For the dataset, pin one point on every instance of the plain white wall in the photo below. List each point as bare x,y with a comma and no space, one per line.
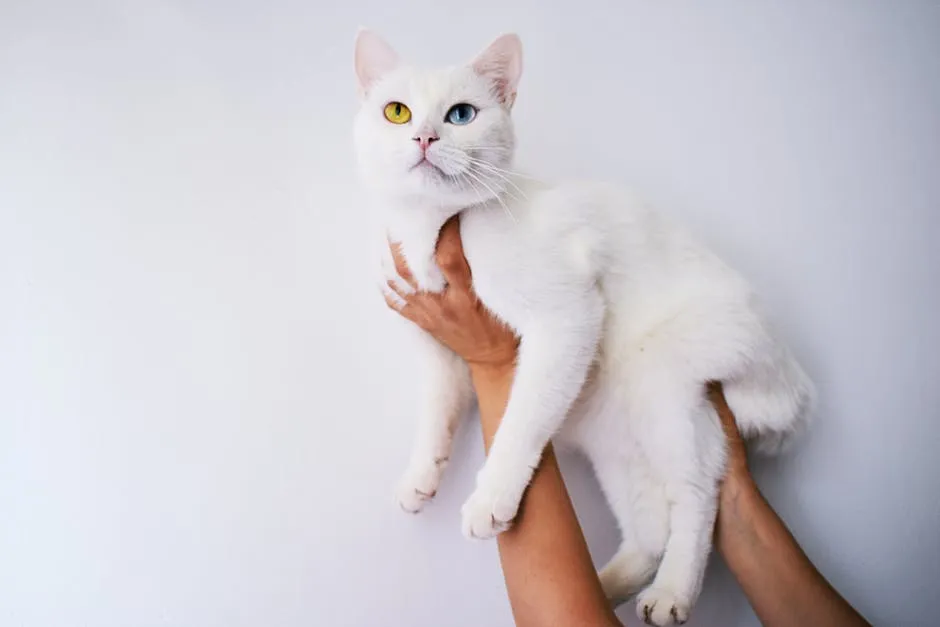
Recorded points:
204,405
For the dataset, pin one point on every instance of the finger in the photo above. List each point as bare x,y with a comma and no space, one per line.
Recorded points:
415,312
450,257
393,300
395,295
422,308
716,395
401,266
402,307
400,290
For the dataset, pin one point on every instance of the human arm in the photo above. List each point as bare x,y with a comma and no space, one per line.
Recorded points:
777,577
549,575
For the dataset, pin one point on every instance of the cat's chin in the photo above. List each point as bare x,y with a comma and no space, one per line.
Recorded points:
441,204
435,190
428,169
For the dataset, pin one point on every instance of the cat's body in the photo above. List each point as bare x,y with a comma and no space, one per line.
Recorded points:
624,318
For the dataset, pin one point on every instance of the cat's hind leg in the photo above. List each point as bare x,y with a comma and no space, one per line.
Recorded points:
447,397
639,504
687,451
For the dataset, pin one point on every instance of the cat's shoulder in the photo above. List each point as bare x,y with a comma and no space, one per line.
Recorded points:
585,200
586,190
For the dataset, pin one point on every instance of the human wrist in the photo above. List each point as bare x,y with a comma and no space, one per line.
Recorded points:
737,496
491,371
492,383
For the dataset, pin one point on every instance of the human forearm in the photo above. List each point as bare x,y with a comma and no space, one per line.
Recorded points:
779,580
549,575
548,570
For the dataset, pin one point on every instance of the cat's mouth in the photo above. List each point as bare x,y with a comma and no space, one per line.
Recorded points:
426,165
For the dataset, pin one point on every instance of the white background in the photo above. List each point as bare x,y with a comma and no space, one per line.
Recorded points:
204,405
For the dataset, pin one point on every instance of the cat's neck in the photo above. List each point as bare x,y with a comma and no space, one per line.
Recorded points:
415,217
412,209
406,216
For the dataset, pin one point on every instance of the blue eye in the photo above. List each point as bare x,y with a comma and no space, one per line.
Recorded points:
462,113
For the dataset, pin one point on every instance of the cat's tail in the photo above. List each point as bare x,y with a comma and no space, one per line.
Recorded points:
772,400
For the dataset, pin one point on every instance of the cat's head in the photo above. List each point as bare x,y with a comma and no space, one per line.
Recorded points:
442,136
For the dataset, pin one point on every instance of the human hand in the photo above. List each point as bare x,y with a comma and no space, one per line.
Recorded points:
737,473
455,316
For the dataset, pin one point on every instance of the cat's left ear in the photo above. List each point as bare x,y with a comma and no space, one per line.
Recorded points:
501,62
374,59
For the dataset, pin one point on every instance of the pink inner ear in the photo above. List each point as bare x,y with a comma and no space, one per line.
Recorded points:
501,62
373,59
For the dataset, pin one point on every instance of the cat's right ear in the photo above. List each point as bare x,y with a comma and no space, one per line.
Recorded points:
374,59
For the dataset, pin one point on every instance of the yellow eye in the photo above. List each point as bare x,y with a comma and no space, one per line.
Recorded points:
397,113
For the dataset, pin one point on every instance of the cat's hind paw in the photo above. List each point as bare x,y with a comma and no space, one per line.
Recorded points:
661,607
625,574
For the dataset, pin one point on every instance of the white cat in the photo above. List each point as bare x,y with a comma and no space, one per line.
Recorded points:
623,316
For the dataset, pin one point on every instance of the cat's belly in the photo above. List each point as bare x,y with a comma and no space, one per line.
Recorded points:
599,419
604,426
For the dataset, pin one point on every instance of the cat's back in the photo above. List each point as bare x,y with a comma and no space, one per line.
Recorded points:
603,228
544,238
571,227
574,205
587,215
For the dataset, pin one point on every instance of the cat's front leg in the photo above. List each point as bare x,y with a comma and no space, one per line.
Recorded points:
424,269
446,398
418,242
555,354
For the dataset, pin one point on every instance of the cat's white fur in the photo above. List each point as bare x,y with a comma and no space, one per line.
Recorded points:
623,316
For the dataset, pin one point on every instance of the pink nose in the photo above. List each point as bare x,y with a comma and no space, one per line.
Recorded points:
425,139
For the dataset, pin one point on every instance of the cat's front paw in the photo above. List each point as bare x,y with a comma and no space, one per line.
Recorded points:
430,279
661,607
419,485
487,513
492,507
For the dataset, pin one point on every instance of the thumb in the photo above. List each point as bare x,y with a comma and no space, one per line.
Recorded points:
450,258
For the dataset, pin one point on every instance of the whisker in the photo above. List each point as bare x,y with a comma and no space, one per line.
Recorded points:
494,177
496,171
494,148
495,195
489,178
491,170
473,187
505,171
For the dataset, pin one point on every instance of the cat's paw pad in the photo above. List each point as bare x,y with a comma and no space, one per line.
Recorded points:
419,485
661,607
487,513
